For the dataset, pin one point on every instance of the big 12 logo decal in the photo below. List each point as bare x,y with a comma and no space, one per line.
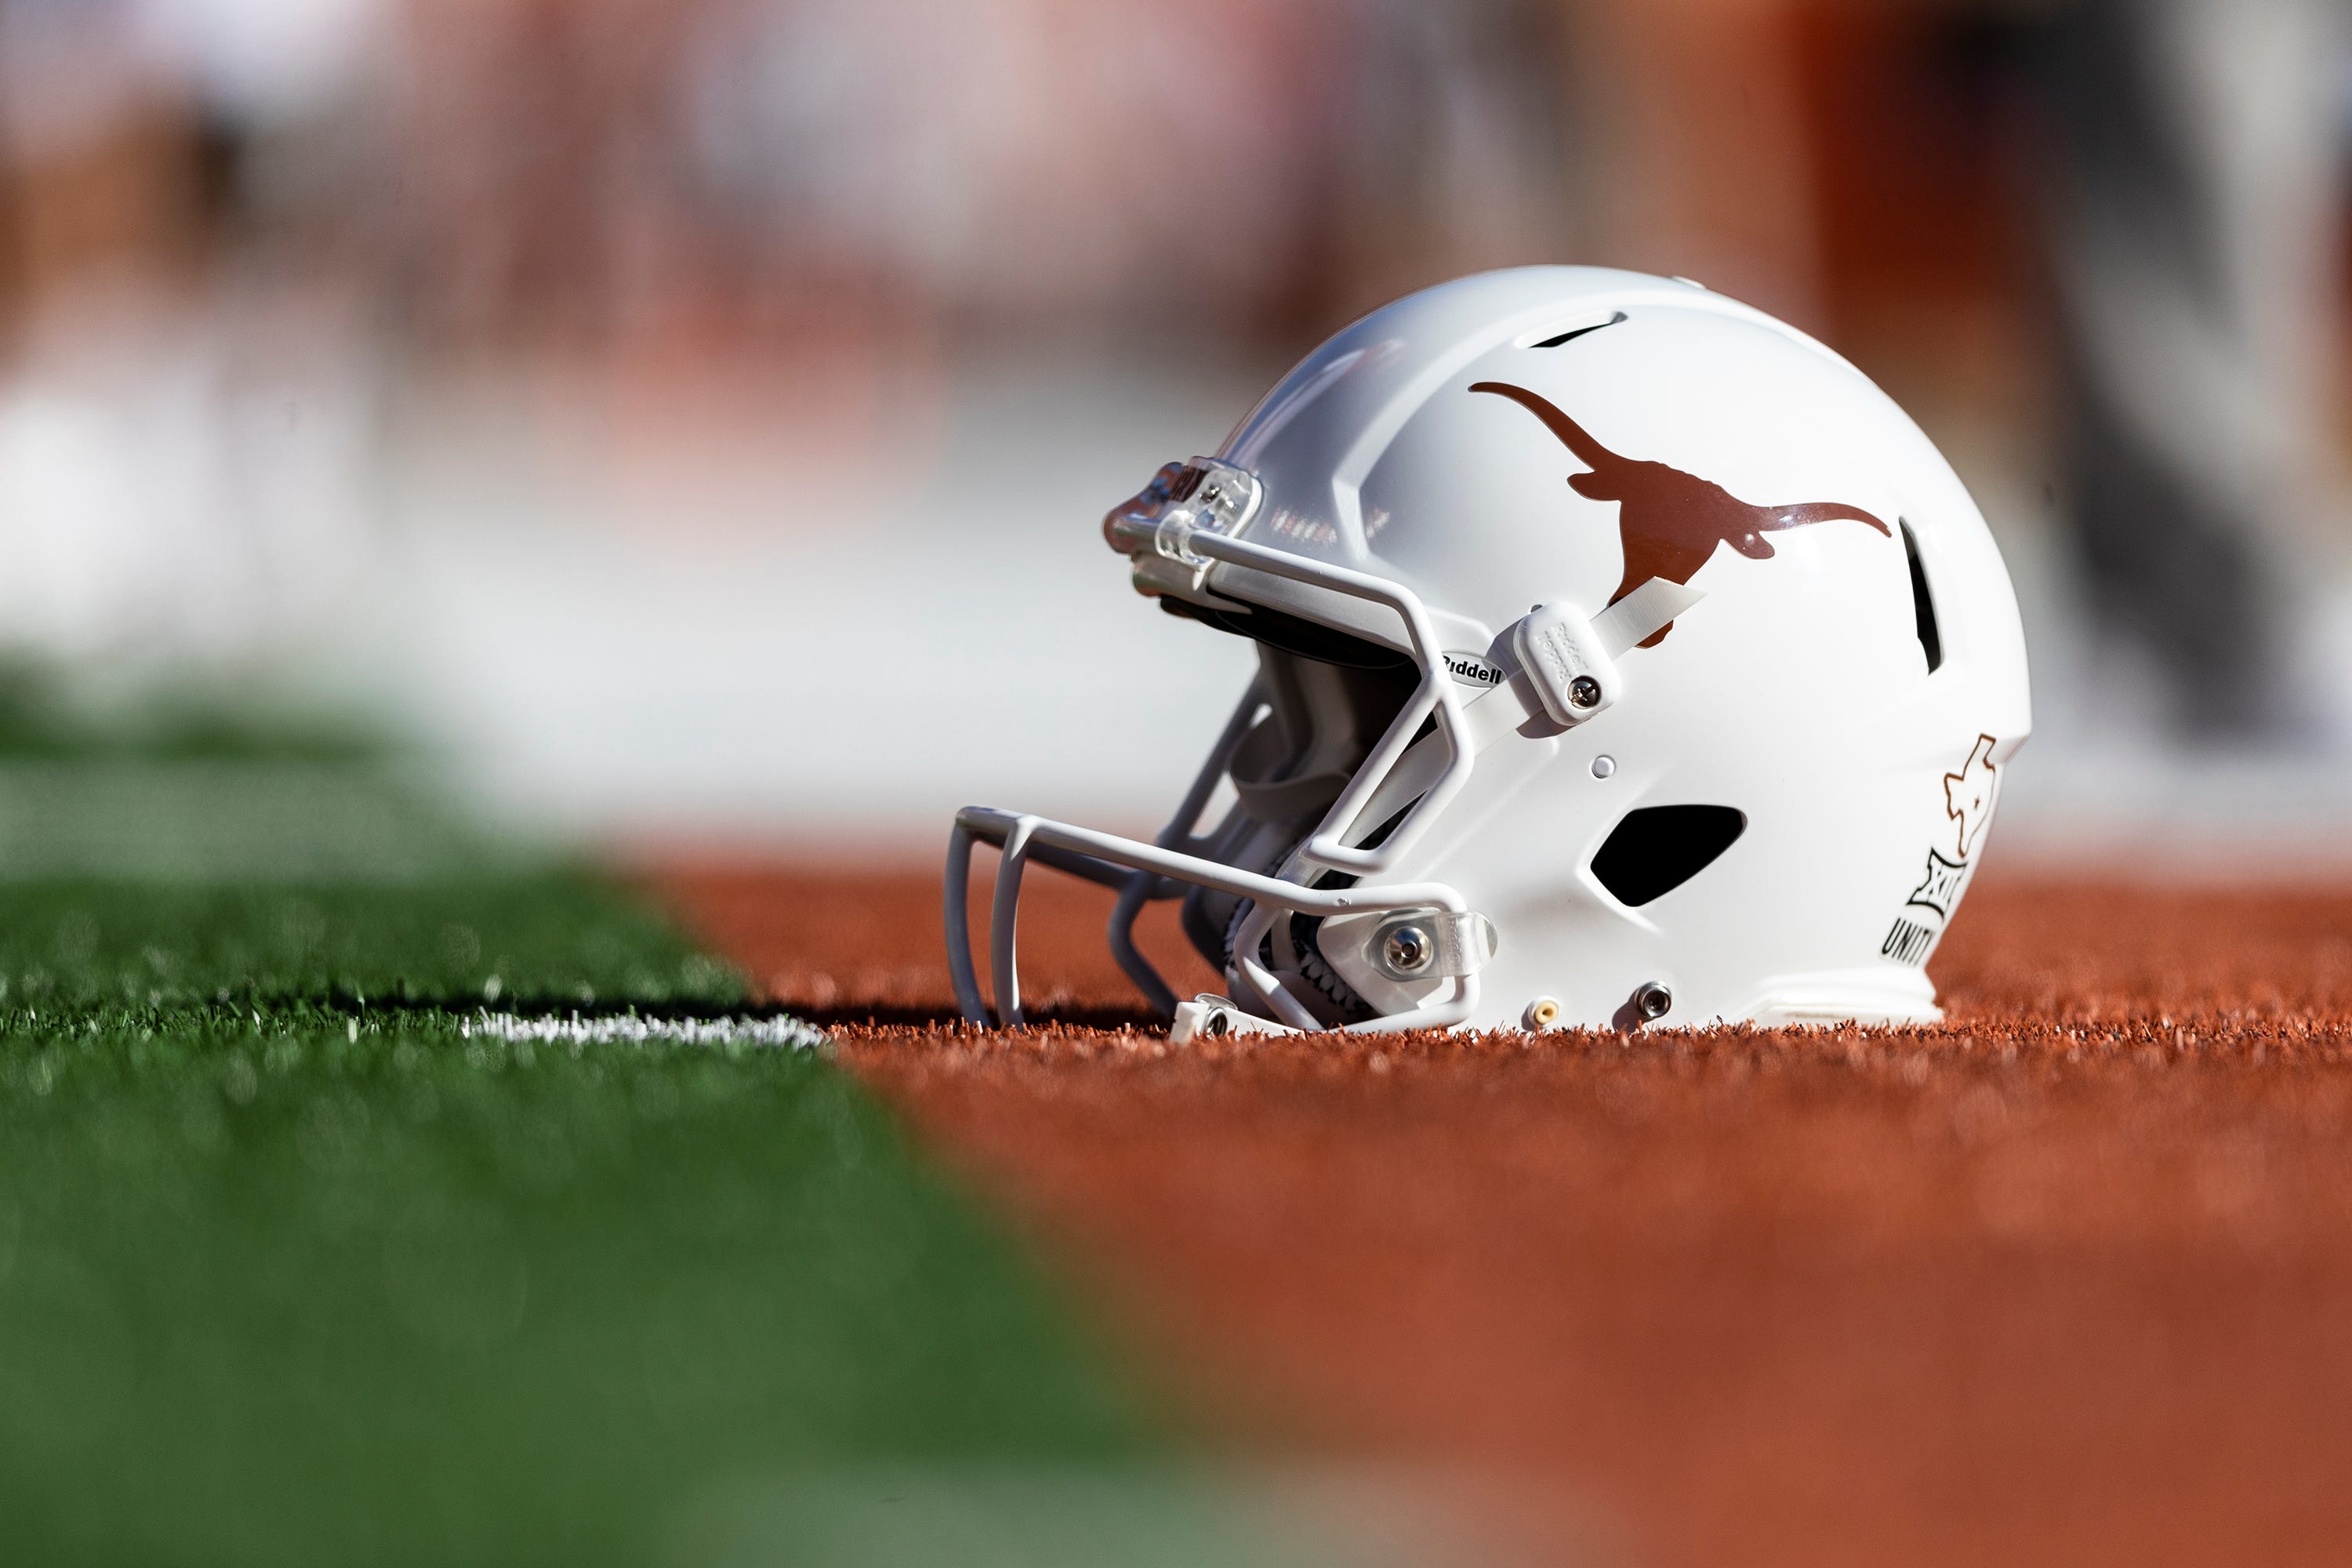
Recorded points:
1967,806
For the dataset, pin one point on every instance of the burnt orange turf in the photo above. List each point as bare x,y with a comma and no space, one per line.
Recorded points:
2068,1280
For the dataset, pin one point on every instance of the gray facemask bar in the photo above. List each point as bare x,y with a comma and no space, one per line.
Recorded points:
1142,888
1135,887
1069,848
1097,856
1436,696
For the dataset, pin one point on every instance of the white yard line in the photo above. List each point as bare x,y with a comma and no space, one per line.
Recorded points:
789,1034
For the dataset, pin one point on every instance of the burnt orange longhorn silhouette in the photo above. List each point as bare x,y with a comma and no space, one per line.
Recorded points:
1669,522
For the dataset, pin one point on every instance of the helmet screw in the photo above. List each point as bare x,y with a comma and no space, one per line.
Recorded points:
1652,1001
1583,691
1407,950
1219,1024
1541,1014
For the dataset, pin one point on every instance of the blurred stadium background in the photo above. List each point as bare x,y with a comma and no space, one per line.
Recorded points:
686,421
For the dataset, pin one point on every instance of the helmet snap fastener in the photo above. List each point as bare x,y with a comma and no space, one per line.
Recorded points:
1541,1014
1415,945
1408,950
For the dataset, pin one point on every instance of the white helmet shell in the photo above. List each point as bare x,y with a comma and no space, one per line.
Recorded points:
1713,671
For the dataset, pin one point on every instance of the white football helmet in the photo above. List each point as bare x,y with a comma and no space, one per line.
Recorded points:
1626,656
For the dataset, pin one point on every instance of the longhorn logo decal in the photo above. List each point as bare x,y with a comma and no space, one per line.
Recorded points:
1669,522
1967,795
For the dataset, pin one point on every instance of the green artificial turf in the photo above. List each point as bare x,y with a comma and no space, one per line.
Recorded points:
301,1262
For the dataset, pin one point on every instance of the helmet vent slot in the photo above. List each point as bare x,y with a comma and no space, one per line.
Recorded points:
1558,336
1923,603
1657,849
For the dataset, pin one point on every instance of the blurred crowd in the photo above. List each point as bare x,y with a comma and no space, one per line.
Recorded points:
2108,232
589,173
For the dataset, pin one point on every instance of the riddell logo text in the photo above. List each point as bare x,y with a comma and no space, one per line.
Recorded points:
1471,670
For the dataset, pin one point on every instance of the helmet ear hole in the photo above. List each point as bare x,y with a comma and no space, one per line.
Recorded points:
1654,850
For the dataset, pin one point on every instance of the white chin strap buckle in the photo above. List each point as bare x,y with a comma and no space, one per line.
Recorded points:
1573,675
1210,1016
1572,662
